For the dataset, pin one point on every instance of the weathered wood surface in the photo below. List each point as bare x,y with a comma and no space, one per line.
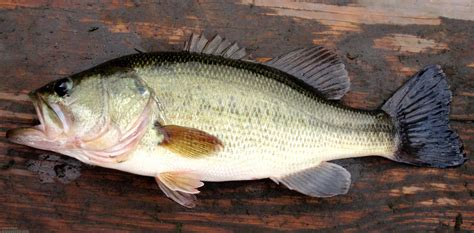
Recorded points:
382,43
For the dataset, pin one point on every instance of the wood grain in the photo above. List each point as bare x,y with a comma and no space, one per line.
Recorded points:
382,44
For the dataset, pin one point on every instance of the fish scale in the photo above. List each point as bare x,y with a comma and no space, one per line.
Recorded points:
260,120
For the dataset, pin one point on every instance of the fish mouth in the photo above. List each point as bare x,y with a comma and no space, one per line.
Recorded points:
45,134
36,100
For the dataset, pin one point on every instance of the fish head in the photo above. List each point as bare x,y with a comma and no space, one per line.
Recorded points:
53,104
85,114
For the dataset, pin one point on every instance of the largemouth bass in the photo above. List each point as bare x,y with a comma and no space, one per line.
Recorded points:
209,114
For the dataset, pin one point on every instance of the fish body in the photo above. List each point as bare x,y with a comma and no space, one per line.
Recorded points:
206,115
268,128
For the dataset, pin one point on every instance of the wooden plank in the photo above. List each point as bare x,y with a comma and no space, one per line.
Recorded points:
381,43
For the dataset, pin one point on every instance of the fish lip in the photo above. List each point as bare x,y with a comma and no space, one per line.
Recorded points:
33,137
59,114
14,135
41,105
36,100
38,136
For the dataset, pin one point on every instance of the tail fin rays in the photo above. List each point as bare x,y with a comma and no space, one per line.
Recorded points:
420,110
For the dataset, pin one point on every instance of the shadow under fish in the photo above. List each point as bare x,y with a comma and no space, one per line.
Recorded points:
53,168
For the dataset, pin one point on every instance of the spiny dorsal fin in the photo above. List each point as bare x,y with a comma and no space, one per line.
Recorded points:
217,46
318,67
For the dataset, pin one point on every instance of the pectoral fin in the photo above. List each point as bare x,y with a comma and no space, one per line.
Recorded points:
325,180
180,187
189,142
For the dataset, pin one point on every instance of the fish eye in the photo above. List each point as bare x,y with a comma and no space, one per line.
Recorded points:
62,86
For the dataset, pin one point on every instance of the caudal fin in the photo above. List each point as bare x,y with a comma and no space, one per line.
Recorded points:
420,110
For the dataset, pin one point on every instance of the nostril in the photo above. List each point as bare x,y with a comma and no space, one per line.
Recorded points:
36,121
9,134
32,94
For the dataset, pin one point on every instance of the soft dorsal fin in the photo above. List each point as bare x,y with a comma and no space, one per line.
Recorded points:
318,67
216,46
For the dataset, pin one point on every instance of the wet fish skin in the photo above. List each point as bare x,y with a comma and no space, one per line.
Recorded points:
259,117
207,115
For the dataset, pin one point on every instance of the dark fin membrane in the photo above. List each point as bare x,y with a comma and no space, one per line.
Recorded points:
420,110
216,46
325,180
318,67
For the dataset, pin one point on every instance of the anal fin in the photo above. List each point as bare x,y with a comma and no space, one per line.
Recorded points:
325,180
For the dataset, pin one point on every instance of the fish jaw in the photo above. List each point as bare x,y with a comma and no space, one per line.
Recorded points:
53,121
33,137
46,135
